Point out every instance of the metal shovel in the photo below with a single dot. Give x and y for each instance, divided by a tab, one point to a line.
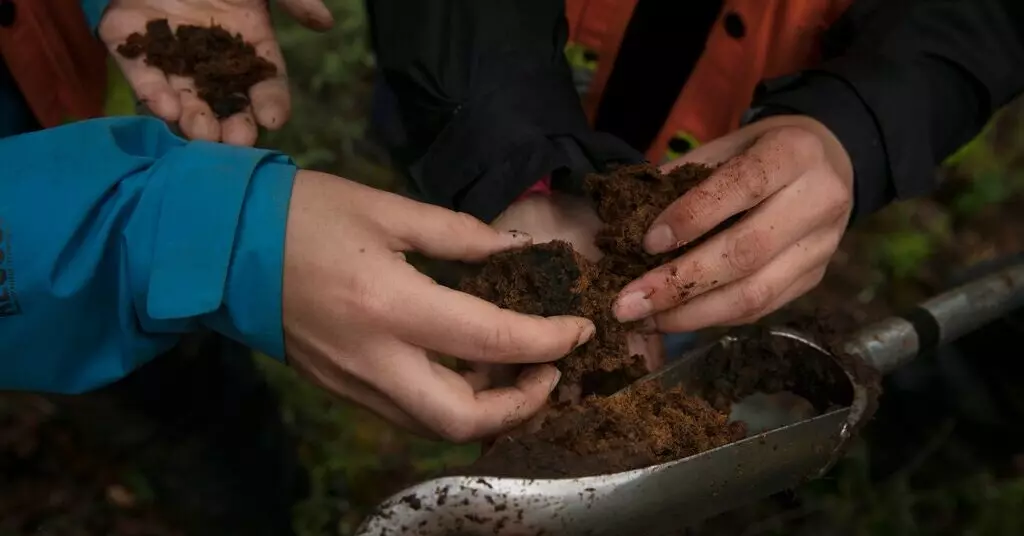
665	498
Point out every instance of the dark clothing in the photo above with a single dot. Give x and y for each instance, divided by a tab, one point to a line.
487	96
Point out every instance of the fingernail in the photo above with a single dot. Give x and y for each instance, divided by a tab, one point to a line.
554	382
660	239
633	306
516	238
588	333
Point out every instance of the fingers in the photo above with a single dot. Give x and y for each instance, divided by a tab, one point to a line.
449	322
339	383
312	14
739	251
775	160
444	402
271	99
240	129
197	121
790	274
801	286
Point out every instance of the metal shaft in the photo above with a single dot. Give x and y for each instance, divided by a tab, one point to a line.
892	342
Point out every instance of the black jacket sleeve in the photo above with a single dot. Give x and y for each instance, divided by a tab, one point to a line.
909	82
487	99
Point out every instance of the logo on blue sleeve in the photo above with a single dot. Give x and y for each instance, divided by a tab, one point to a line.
8	296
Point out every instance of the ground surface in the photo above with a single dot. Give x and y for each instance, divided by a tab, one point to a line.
941	457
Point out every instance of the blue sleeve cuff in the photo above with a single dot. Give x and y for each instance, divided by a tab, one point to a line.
251	311
93	10
218	244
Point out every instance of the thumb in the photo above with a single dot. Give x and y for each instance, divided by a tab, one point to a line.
312	14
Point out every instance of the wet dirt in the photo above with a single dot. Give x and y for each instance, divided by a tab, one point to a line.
641	427
223	66
595	433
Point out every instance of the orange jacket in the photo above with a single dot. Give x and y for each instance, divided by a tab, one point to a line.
780	37
58	64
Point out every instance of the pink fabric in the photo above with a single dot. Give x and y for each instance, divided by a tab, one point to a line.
542	187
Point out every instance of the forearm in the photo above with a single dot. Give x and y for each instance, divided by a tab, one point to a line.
119	237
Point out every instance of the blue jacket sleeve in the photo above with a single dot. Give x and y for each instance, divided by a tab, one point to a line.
116	237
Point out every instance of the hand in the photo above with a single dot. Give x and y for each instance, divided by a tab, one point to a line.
796	180
564	217
366	325
174	98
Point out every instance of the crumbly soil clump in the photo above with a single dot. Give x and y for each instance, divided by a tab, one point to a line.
643	426
222	65
594	433
552	279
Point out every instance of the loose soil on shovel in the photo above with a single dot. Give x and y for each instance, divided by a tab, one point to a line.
223	66
593	433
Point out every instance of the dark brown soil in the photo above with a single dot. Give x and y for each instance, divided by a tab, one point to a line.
640	427
223	66
762	363
552	279
599	434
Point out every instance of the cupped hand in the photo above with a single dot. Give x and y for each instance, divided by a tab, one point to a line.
174	98
572	219
363	323
794	181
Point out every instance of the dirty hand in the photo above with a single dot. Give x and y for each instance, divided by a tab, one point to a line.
796	180
573	219
363	323
174	98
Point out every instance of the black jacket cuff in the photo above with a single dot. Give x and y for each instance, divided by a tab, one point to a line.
498	145
831	101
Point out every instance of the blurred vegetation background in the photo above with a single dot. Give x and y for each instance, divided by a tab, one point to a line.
896	257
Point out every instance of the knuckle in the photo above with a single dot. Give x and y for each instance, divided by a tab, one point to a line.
838	199
462	223
499	343
690	211
802	144
748	251
746	178
754	299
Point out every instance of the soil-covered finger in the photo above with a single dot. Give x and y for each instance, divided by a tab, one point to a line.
732	254
774	161
754	296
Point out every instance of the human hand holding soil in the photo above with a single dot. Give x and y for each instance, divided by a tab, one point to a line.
366	325
169	87
574	220
794	181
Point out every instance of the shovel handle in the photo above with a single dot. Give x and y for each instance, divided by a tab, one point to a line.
894	341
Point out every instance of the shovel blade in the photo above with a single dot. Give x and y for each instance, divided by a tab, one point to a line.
661	499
